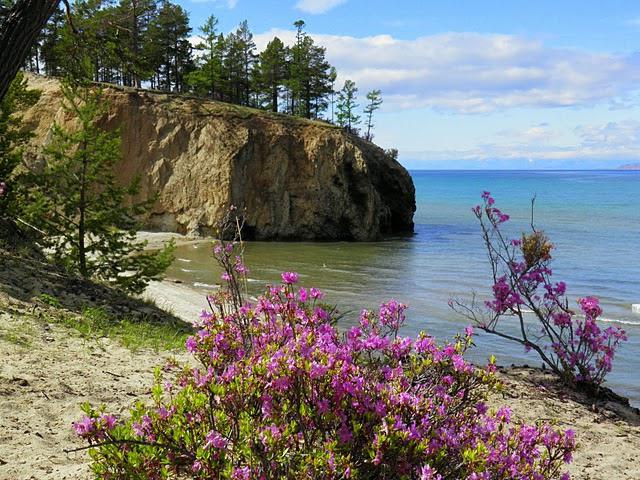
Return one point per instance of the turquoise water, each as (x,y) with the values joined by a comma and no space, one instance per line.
(593,217)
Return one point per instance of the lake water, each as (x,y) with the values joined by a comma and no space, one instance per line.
(593,218)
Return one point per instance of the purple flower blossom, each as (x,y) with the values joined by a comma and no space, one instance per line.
(109,421)
(215,440)
(191,344)
(85,427)
(290,277)
(316,294)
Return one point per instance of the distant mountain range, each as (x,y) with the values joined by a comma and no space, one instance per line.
(425,163)
(630,166)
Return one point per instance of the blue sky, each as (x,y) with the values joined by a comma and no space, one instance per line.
(476,82)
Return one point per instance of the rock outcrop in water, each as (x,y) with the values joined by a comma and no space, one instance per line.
(297,179)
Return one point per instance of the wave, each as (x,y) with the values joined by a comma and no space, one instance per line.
(620,321)
(204,285)
(603,319)
(184,260)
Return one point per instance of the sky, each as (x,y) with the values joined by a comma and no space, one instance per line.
(476,83)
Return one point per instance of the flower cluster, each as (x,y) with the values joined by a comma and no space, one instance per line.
(574,346)
(280,392)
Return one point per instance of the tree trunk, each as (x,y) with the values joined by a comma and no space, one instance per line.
(82,252)
(18,33)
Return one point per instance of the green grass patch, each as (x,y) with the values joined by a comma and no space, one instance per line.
(95,323)
(20,333)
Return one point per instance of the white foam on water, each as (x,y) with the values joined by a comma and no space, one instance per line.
(603,319)
(185,260)
(204,285)
(617,320)
(635,307)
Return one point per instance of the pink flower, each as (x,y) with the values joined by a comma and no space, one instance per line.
(302,294)
(191,344)
(290,277)
(215,440)
(85,426)
(344,434)
(590,307)
(109,421)
(316,294)
(241,473)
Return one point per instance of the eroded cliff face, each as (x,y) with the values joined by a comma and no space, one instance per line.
(297,179)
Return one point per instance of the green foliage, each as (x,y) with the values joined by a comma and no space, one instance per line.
(13,137)
(271,73)
(375,101)
(347,117)
(146,42)
(168,48)
(310,76)
(206,79)
(89,219)
(50,300)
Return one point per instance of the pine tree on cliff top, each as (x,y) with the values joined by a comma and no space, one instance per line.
(347,106)
(272,72)
(89,219)
(375,101)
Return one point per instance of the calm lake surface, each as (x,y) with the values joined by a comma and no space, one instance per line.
(593,218)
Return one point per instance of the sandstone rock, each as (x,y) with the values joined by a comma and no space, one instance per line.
(297,179)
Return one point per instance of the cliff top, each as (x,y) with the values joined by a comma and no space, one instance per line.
(185,103)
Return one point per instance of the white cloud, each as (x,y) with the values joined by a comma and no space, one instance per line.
(477,73)
(618,135)
(610,141)
(318,6)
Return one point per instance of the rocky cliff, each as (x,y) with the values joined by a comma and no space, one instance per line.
(297,179)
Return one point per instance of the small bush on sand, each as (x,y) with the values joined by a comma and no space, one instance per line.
(573,346)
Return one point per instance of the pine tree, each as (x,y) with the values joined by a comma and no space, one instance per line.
(347,106)
(297,70)
(309,81)
(375,100)
(319,85)
(133,18)
(207,78)
(13,137)
(239,62)
(169,49)
(272,72)
(51,36)
(78,203)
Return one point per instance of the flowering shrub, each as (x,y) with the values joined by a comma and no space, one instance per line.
(279,392)
(574,347)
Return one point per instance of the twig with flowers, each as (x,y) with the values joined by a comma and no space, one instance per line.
(574,347)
